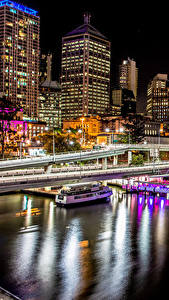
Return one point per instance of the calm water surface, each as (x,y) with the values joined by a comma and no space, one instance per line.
(42,257)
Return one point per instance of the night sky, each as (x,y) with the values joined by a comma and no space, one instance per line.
(135,30)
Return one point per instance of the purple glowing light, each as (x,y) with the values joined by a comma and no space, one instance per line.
(151,188)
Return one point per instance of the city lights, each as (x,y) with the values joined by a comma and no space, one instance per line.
(19,7)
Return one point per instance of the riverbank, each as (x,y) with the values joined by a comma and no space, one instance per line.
(41,192)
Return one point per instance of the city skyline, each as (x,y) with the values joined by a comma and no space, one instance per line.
(141,37)
(136,32)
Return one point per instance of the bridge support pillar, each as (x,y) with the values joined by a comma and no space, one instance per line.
(148,157)
(115,160)
(104,163)
(48,169)
(129,157)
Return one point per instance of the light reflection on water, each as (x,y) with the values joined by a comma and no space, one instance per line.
(127,255)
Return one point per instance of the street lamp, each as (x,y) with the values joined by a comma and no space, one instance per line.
(121,129)
(71,143)
(159,141)
(108,130)
(80,131)
(21,149)
(53,142)
(21,144)
(83,134)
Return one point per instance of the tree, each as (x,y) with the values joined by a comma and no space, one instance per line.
(7,113)
(137,159)
(134,128)
(60,141)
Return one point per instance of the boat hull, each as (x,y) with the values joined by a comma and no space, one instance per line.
(84,201)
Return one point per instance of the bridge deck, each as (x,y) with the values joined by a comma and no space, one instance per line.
(14,183)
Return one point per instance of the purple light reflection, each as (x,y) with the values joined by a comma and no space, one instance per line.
(141,201)
(151,199)
(162,202)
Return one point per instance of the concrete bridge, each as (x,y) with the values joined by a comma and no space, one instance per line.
(14,183)
(110,151)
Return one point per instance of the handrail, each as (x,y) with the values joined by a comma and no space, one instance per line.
(33,178)
(82,154)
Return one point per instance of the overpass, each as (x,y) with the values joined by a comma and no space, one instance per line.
(110,151)
(17,183)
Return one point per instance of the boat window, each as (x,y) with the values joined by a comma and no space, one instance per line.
(84,196)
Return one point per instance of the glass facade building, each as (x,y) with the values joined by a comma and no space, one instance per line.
(128,76)
(85,72)
(19,55)
(158,98)
(49,103)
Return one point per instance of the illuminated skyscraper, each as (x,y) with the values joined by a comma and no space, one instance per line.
(19,55)
(158,98)
(128,75)
(85,72)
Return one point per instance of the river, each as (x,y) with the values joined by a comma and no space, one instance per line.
(113,251)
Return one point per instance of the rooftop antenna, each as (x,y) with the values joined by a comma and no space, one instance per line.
(87,17)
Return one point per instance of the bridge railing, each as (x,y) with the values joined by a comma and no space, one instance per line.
(69,175)
(111,149)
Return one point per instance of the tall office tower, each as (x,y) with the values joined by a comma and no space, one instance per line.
(19,52)
(85,72)
(128,75)
(45,67)
(49,103)
(158,98)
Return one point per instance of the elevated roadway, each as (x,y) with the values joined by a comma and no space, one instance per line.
(59,158)
(78,156)
(14,183)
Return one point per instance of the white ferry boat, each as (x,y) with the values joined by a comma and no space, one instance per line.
(81,193)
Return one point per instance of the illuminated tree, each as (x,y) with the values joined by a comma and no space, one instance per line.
(7,113)
(60,141)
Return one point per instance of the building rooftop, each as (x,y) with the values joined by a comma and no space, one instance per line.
(86,28)
(18,6)
(51,84)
